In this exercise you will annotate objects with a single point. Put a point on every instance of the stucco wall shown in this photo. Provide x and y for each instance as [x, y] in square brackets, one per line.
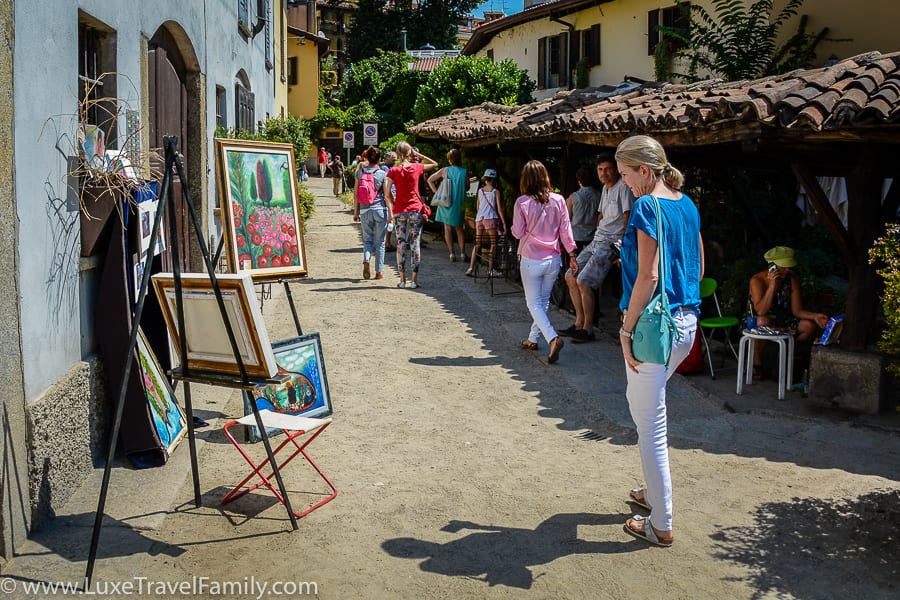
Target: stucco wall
[303, 98]
[46, 88]
[46, 298]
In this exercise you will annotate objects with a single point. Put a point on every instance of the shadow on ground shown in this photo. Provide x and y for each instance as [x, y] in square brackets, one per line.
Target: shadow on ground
[501, 555]
[845, 542]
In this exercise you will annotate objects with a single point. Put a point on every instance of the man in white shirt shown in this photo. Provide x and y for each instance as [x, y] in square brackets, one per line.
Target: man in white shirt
[596, 259]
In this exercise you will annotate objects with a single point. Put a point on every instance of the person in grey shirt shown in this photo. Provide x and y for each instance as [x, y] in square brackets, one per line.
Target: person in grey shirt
[595, 260]
[583, 204]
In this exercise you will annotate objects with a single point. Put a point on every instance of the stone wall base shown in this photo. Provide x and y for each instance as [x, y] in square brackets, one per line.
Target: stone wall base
[848, 380]
[68, 431]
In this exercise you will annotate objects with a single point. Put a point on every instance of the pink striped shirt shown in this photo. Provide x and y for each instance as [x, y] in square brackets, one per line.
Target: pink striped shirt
[541, 227]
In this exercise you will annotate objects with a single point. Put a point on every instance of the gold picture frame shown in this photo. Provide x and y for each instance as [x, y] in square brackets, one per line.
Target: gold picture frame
[257, 188]
[208, 346]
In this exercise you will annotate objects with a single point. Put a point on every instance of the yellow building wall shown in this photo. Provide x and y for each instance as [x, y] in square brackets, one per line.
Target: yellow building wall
[623, 35]
[303, 98]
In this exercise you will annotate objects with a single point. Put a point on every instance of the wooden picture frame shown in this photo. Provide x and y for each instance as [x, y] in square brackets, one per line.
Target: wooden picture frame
[208, 346]
[166, 415]
[257, 183]
[304, 390]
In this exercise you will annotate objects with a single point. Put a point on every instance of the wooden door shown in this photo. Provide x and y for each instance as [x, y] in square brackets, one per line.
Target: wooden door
[168, 116]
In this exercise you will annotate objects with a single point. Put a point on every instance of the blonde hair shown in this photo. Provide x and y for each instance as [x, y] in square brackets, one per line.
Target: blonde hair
[404, 151]
[535, 181]
[644, 150]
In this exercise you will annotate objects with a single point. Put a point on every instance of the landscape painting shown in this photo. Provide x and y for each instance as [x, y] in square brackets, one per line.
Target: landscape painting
[261, 219]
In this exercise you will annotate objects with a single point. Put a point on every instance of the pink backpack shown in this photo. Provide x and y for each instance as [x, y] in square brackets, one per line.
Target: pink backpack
[366, 191]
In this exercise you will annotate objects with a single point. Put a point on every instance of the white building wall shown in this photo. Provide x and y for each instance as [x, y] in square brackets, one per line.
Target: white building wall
[45, 99]
[863, 26]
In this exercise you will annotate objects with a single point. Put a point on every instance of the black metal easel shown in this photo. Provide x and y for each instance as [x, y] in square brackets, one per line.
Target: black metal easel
[183, 373]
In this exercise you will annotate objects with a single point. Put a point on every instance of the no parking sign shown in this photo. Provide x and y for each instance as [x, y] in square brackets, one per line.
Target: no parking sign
[348, 139]
[370, 134]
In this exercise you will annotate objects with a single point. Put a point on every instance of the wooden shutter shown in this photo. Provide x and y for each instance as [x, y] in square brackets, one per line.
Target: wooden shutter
[593, 52]
[292, 71]
[245, 108]
[270, 63]
[542, 63]
[565, 67]
[652, 31]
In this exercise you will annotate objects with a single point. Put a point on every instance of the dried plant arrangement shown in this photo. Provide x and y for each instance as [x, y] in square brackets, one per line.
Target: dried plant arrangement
[94, 175]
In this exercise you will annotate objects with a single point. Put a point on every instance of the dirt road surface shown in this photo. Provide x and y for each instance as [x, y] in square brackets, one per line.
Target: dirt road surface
[469, 468]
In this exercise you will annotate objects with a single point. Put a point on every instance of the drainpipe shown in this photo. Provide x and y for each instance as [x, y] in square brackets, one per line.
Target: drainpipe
[403, 40]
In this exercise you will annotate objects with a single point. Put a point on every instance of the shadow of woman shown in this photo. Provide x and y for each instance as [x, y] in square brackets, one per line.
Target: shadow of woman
[501, 555]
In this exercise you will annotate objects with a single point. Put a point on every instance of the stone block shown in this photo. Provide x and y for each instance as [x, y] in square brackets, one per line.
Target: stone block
[849, 380]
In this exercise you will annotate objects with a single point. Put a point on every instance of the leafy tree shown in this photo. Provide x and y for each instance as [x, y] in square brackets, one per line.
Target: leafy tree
[739, 41]
[377, 24]
[470, 80]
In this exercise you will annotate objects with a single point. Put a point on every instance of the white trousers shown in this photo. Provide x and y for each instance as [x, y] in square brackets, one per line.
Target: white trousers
[538, 277]
[646, 395]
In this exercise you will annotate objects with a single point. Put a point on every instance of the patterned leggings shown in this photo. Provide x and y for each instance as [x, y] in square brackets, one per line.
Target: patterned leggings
[409, 232]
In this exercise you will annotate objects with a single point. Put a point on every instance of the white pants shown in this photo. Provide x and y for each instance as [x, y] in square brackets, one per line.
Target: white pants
[538, 277]
[646, 395]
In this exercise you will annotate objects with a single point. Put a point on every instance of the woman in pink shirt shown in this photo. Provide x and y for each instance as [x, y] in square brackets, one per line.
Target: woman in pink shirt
[541, 222]
[410, 212]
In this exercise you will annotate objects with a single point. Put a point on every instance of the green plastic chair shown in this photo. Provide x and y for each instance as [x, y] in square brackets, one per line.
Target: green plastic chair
[708, 288]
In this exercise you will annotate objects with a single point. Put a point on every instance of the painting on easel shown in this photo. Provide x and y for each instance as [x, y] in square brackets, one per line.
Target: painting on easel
[304, 386]
[261, 219]
[168, 418]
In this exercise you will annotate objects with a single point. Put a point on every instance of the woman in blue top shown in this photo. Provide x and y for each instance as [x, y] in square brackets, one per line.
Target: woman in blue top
[645, 169]
[452, 216]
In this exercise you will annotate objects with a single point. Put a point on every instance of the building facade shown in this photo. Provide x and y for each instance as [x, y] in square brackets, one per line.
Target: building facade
[618, 37]
[139, 73]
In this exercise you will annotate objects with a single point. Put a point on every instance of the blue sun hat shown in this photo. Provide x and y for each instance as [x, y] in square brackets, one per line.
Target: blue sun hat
[489, 173]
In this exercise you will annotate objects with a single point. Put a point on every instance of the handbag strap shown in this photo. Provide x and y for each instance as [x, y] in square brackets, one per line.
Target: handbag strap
[661, 245]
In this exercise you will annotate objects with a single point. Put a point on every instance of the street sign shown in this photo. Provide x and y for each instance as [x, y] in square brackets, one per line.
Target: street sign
[370, 134]
[348, 139]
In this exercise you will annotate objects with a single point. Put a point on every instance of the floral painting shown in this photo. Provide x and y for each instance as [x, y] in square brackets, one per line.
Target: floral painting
[168, 418]
[258, 197]
[303, 389]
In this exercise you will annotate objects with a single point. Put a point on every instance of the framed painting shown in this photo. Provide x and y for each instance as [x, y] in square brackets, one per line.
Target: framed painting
[260, 216]
[304, 386]
[208, 346]
[168, 418]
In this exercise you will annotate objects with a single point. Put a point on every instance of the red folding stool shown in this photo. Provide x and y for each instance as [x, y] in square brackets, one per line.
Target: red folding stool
[293, 427]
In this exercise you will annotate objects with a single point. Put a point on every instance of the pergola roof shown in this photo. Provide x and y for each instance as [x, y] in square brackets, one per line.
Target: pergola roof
[857, 99]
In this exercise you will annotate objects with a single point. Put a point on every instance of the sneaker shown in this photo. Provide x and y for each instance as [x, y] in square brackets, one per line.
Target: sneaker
[582, 336]
[379, 276]
[413, 285]
[568, 331]
[366, 270]
[401, 285]
[452, 257]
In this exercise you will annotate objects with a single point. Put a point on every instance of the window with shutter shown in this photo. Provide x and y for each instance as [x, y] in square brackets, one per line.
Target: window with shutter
[292, 71]
[221, 121]
[245, 108]
[676, 17]
[243, 10]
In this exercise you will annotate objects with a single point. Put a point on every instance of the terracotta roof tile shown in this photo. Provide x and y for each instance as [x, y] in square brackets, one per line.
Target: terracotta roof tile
[859, 91]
